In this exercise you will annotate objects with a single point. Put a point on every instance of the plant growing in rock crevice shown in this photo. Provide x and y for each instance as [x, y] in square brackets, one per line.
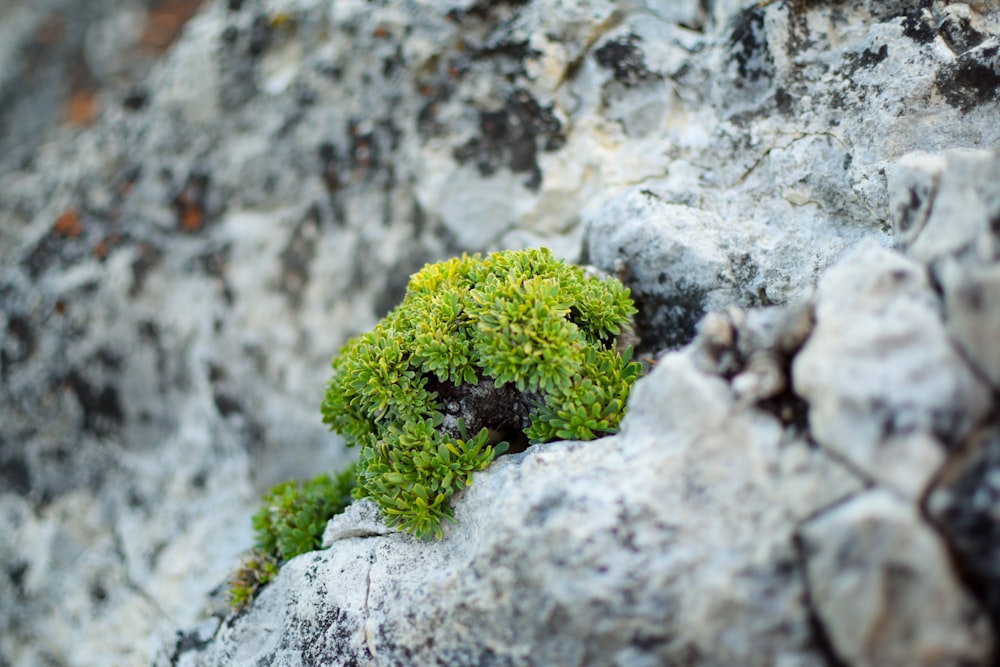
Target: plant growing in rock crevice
[290, 522]
[516, 347]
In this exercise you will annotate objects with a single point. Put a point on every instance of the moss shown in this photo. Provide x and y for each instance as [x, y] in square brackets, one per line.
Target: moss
[481, 352]
[290, 522]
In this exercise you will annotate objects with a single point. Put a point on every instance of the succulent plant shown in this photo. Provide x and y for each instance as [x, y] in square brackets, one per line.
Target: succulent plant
[483, 352]
[290, 522]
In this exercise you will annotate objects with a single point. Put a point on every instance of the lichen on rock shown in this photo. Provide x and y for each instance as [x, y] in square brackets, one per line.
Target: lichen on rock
[482, 353]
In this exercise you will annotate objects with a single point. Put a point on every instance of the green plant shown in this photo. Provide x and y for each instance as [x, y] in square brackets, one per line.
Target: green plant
[256, 570]
[516, 346]
[290, 522]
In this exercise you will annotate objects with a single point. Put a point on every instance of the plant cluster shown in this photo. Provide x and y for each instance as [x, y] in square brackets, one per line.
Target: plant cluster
[482, 352]
[290, 522]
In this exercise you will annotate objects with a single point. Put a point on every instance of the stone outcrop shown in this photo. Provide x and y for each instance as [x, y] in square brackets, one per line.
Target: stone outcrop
[803, 469]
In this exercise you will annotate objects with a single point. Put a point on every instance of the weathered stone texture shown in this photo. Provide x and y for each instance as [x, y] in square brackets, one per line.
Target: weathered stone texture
[176, 278]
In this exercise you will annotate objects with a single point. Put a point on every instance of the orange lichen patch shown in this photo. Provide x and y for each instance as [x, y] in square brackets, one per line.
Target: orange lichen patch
[381, 32]
[190, 203]
[164, 23]
[102, 247]
[68, 224]
[191, 219]
[82, 107]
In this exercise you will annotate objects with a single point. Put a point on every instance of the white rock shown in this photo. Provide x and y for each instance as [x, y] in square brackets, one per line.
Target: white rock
[972, 305]
[156, 377]
[645, 548]
[880, 366]
[945, 204]
[885, 590]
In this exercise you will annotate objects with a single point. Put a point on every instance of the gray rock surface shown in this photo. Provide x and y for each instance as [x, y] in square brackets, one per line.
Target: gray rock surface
[708, 531]
[864, 371]
[873, 567]
[176, 278]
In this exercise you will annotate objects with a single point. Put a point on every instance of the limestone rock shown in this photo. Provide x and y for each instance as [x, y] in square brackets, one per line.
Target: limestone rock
[709, 530]
[965, 505]
[176, 278]
[636, 549]
[884, 588]
[880, 373]
[945, 209]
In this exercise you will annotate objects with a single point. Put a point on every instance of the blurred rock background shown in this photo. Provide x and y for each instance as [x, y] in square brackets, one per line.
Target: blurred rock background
[195, 216]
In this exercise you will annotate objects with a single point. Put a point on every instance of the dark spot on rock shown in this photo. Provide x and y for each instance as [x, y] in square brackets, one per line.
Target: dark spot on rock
[783, 101]
[15, 475]
[392, 64]
[542, 510]
[226, 404]
[45, 254]
[98, 593]
[230, 34]
[870, 58]
[102, 411]
[748, 42]
[648, 643]
[626, 60]
[190, 202]
[260, 36]
[18, 345]
[860, 61]
[214, 261]
[900, 275]
[788, 407]
[15, 574]
[147, 257]
[189, 641]
[234, 5]
[515, 50]
[820, 636]
[963, 506]
[330, 166]
[904, 217]
[916, 27]
[959, 34]
[305, 96]
[669, 320]
[136, 98]
[216, 373]
[485, 10]
[511, 137]
[199, 481]
[134, 499]
[973, 79]
[427, 123]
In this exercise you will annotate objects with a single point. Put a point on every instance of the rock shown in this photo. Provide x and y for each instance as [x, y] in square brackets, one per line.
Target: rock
[880, 373]
[583, 563]
[884, 588]
[945, 209]
[177, 276]
[668, 254]
[703, 515]
[965, 506]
